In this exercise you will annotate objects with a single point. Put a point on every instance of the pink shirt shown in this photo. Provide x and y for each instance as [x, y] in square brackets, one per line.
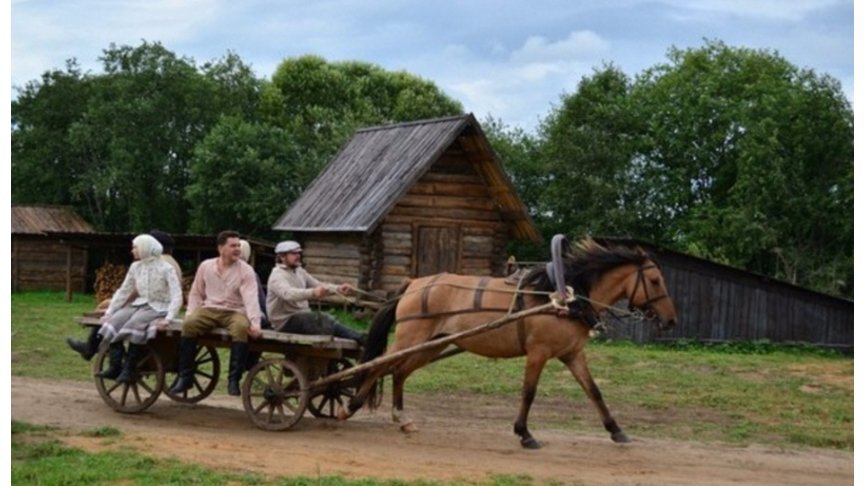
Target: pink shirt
[233, 288]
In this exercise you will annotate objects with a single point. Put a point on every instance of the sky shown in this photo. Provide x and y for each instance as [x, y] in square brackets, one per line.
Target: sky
[506, 59]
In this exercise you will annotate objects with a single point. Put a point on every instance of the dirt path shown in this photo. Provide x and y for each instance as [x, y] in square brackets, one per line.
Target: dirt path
[460, 438]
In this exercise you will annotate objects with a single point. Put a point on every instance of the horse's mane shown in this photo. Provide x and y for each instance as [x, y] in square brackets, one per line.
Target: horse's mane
[585, 263]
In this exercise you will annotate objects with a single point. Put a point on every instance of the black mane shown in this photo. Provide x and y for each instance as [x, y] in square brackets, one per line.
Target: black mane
[585, 263]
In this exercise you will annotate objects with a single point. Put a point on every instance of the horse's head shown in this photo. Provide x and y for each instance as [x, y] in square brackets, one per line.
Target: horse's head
[610, 272]
[647, 293]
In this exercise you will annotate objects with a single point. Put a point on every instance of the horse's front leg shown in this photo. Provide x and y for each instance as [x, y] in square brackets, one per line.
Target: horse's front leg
[533, 367]
[579, 367]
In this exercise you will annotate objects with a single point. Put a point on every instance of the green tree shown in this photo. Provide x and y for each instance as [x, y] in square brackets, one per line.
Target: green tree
[732, 154]
[42, 166]
[120, 151]
[241, 175]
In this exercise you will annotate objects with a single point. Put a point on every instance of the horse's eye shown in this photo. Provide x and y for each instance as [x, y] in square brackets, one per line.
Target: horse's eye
[655, 281]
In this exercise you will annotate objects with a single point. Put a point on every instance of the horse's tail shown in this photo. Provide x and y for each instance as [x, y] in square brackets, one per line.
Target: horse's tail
[376, 340]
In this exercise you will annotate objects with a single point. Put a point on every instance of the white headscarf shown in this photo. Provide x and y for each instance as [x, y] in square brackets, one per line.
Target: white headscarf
[148, 247]
[245, 250]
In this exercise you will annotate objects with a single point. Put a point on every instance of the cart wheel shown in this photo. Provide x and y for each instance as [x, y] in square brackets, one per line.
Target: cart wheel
[203, 380]
[325, 403]
[134, 397]
[275, 394]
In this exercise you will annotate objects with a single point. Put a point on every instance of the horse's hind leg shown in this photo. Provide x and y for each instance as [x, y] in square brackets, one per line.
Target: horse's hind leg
[579, 367]
[534, 364]
[400, 374]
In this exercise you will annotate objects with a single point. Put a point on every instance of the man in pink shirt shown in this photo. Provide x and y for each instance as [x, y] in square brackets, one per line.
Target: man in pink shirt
[224, 294]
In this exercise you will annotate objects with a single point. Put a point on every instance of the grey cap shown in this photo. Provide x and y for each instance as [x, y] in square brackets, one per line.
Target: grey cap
[288, 246]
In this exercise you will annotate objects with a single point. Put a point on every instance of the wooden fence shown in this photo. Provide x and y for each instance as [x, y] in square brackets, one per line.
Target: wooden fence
[718, 303]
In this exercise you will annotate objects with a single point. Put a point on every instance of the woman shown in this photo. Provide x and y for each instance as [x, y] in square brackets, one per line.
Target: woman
[147, 301]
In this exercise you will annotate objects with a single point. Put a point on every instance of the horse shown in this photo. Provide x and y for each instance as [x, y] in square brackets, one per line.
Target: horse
[444, 304]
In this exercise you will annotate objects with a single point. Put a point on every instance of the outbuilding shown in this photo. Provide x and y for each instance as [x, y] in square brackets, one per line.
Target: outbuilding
[42, 257]
[409, 200]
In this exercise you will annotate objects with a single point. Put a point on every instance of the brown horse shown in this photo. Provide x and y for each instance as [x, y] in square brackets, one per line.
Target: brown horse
[438, 305]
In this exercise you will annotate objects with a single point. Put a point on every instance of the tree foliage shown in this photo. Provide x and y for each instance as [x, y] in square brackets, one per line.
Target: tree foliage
[120, 152]
[731, 154]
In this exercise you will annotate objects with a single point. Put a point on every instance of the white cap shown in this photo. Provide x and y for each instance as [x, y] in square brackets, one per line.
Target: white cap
[288, 246]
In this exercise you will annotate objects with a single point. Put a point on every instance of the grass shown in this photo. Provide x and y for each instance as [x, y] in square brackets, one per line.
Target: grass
[742, 393]
[40, 323]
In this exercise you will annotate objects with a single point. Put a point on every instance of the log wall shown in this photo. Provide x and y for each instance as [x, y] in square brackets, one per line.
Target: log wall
[453, 197]
[39, 263]
[337, 258]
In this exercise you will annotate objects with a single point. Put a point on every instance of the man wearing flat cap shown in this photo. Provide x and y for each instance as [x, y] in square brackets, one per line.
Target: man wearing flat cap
[289, 289]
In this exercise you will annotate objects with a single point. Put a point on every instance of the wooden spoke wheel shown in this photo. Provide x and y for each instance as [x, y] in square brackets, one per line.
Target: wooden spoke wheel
[326, 402]
[204, 379]
[275, 394]
[131, 397]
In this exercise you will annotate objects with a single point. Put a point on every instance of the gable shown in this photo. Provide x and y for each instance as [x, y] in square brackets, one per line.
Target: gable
[379, 166]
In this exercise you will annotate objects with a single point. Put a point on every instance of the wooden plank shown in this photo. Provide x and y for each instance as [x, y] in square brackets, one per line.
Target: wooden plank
[444, 189]
[461, 215]
[438, 219]
[448, 202]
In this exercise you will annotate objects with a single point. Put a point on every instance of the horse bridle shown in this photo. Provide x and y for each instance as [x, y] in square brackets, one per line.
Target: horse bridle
[646, 308]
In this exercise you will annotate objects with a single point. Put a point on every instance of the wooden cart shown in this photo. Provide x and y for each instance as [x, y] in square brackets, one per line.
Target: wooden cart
[276, 392]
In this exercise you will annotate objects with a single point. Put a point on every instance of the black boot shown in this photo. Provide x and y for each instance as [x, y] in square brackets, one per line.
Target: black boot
[343, 331]
[236, 366]
[185, 365]
[115, 362]
[252, 358]
[130, 367]
[89, 348]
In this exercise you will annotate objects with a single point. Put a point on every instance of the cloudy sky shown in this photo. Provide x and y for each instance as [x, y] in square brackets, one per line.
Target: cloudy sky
[508, 59]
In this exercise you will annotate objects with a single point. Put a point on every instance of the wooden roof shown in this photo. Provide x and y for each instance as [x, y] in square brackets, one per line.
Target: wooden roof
[40, 220]
[380, 164]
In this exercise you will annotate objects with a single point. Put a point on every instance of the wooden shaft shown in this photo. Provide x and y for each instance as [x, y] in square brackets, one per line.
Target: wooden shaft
[389, 358]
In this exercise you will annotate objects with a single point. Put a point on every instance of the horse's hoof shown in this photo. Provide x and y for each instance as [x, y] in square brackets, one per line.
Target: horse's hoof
[342, 414]
[620, 438]
[530, 443]
[409, 428]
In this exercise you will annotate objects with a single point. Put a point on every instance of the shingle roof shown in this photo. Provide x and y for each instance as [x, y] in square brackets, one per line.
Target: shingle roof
[379, 165]
[39, 219]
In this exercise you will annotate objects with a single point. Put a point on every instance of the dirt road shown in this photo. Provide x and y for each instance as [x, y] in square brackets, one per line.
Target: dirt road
[466, 438]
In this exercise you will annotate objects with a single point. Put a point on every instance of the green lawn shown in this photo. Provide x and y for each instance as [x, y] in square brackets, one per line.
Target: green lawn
[740, 394]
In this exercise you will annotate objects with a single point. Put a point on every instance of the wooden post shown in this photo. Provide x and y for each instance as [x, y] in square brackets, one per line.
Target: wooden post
[68, 272]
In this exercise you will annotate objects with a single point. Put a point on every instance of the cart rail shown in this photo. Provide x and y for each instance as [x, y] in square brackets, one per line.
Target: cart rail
[267, 336]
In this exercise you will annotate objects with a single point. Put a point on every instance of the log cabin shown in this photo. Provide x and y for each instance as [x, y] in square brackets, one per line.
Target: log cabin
[408, 200]
[42, 257]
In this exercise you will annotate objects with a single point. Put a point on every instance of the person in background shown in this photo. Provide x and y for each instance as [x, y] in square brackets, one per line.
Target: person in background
[252, 357]
[289, 289]
[224, 294]
[167, 242]
[147, 300]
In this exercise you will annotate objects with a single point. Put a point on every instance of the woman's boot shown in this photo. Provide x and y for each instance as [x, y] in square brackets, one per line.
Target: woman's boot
[115, 362]
[87, 349]
[130, 367]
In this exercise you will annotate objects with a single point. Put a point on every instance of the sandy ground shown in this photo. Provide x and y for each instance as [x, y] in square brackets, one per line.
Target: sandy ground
[461, 438]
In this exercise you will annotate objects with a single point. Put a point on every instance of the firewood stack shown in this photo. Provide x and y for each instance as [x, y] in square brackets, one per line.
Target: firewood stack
[109, 277]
